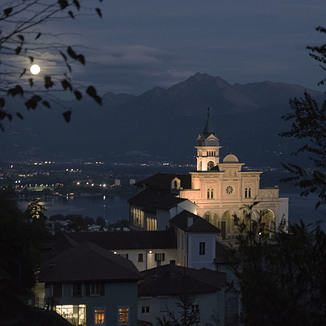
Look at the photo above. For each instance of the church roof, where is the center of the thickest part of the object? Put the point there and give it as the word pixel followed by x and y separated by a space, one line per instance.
pixel 162 181
pixel 198 225
pixel 150 200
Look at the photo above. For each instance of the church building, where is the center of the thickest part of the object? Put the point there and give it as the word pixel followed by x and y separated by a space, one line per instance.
pixel 218 189
pixel 221 189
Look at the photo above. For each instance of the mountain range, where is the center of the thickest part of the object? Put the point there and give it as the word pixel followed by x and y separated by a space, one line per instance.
pixel 161 124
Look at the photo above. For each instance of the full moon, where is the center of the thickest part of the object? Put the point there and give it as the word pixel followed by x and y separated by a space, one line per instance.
pixel 35 69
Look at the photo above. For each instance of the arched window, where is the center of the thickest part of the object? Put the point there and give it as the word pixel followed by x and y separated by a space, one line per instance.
pixel 210 165
pixel 249 193
pixel 246 192
pixel 207 193
pixel 212 193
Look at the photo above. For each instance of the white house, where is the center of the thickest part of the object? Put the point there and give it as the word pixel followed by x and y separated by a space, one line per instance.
pixel 160 291
pixel 196 241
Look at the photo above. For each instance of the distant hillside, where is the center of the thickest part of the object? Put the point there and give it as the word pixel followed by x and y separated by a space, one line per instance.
pixel 161 124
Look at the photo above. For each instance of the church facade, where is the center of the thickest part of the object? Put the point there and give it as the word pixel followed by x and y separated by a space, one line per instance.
pixel 222 189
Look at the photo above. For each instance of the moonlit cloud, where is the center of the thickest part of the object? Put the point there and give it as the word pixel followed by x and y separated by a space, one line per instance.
pixel 138 45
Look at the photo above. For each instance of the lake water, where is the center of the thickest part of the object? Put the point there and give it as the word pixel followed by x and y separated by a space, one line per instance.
pixel 115 207
pixel 111 207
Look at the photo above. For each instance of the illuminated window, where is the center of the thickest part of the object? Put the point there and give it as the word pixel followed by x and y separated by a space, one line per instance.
pixel 99 318
pixel 123 316
pixel 75 314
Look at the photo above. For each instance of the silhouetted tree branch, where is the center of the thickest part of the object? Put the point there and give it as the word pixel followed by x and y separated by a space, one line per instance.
pixel 308 120
pixel 24 41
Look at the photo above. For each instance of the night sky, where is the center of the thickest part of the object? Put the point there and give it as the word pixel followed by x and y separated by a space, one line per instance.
pixel 138 45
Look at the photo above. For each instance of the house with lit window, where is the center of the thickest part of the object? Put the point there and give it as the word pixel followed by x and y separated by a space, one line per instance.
pixel 146 249
pixel 152 209
pixel 160 290
pixel 89 285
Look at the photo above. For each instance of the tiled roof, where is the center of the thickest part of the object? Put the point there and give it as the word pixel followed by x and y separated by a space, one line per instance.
pixel 199 225
pixel 150 200
pixel 162 181
pixel 116 240
pixel 176 280
pixel 86 262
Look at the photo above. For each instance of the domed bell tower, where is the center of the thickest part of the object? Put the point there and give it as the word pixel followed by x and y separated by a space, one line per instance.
pixel 208 149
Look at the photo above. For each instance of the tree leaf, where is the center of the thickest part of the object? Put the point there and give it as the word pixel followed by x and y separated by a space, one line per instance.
pixel 81 59
pixel 76 3
pixel 17 90
pixel 78 95
pixel 48 83
pixel 71 53
pixel 47 104
pixel 32 102
pixel 37 36
pixel 99 12
pixel 66 85
pixel 31 59
pixel 31 82
pixel 7 11
pixel 2 102
pixel 67 116
pixel 91 91
pixel 21 37
pixel 18 49
pixel 71 14
pixel 63 4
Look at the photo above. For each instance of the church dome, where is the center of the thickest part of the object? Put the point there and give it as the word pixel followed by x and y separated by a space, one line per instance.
pixel 230 159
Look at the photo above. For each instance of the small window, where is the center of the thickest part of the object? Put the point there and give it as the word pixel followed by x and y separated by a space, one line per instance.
pixel 145 309
pixel 208 192
pixel 160 256
pixel 201 248
pixel 246 192
pixel 212 193
pixel 123 317
pixel 95 289
pixel 140 258
pixel 195 308
pixel 57 290
pixel 99 316
pixel 77 289
pixel 249 193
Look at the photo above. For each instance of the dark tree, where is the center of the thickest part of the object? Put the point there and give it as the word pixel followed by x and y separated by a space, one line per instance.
pixel 281 276
pixel 20 248
pixel 23 40
pixel 308 124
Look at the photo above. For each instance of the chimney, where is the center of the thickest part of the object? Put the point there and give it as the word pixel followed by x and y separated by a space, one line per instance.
pixel 190 221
